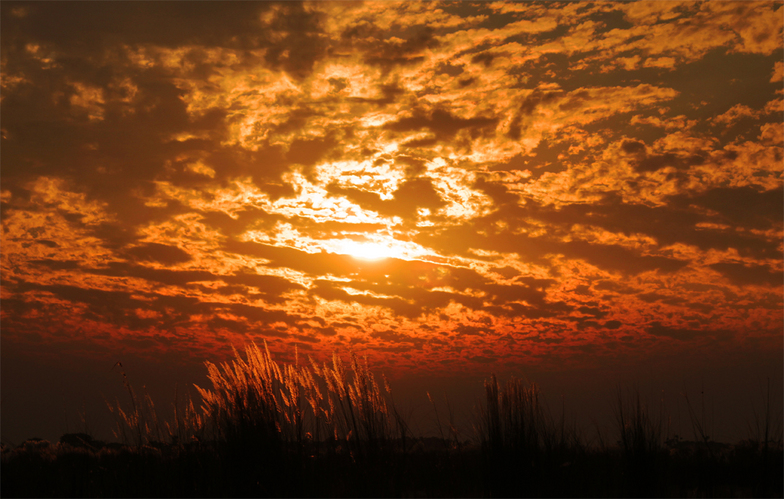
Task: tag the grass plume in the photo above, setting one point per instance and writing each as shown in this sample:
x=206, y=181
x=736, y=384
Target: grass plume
x=255, y=397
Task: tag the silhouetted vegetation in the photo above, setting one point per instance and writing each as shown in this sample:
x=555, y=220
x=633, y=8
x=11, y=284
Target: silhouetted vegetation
x=330, y=430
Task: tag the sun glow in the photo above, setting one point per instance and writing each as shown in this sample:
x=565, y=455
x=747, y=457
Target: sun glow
x=364, y=246
x=365, y=250
x=376, y=249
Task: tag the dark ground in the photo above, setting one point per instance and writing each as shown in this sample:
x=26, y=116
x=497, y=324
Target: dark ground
x=77, y=466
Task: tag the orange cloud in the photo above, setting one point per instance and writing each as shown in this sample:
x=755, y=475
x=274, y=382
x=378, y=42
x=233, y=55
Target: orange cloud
x=438, y=184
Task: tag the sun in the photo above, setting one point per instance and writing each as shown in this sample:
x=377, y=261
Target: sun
x=367, y=250
x=375, y=247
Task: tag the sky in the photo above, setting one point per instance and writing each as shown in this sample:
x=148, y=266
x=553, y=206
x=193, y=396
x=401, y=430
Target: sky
x=584, y=193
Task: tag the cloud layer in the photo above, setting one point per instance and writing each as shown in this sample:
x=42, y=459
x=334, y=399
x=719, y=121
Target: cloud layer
x=438, y=185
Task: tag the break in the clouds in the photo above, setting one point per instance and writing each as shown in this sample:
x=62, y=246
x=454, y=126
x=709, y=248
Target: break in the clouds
x=438, y=185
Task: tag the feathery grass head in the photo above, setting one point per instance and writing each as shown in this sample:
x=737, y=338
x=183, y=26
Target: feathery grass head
x=255, y=397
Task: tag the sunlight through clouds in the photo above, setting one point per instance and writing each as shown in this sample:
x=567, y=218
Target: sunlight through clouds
x=419, y=180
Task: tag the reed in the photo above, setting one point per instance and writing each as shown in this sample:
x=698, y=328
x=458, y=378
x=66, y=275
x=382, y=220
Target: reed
x=256, y=398
x=766, y=430
x=273, y=429
x=641, y=441
x=640, y=430
x=188, y=424
x=514, y=419
x=525, y=450
x=139, y=424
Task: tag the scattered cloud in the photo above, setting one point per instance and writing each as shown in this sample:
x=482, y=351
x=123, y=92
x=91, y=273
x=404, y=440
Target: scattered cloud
x=424, y=181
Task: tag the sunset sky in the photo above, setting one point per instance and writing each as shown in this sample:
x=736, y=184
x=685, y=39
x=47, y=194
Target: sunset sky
x=446, y=188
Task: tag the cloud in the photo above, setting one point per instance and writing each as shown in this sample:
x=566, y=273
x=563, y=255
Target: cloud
x=411, y=178
x=657, y=329
x=741, y=274
x=410, y=195
x=778, y=72
x=440, y=122
x=161, y=253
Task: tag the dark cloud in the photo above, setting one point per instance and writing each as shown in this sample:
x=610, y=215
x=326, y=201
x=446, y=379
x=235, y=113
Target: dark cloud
x=380, y=50
x=292, y=38
x=412, y=194
x=618, y=258
x=309, y=151
x=609, y=20
x=271, y=288
x=657, y=329
x=675, y=222
x=256, y=314
x=297, y=41
x=397, y=338
x=633, y=146
x=657, y=162
x=102, y=305
x=537, y=98
x=465, y=329
x=441, y=122
x=721, y=77
x=242, y=220
x=161, y=253
x=57, y=264
x=498, y=192
x=157, y=275
x=606, y=256
x=85, y=26
x=318, y=263
x=741, y=274
x=742, y=206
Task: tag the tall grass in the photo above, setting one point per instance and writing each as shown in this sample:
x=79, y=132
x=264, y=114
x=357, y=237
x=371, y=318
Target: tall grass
x=256, y=399
x=766, y=430
x=640, y=429
x=139, y=424
x=641, y=441
x=188, y=424
x=513, y=418
x=265, y=428
x=516, y=418
x=525, y=448
x=267, y=414
x=767, y=439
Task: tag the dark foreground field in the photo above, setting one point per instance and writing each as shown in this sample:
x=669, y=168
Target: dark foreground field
x=419, y=468
x=270, y=430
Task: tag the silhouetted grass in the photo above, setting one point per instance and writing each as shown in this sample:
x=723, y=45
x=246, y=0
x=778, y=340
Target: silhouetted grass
x=264, y=415
x=329, y=430
x=642, y=443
